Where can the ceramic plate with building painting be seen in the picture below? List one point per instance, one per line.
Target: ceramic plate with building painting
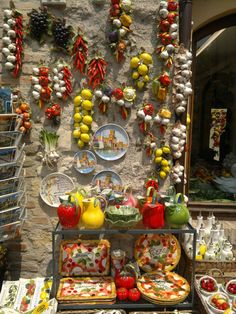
(157, 252)
(53, 186)
(108, 179)
(85, 161)
(110, 142)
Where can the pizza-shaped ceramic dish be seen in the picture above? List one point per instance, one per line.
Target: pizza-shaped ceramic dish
(87, 289)
(84, 258)
(160, 287)
(157, 252)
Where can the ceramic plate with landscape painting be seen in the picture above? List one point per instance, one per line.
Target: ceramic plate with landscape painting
(110, 142)
(108, 179)
(85, 161)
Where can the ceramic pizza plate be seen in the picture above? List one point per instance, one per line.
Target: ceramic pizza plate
(161, 287)
(108, 179)
(53, 186)
(110, 142)
(157, 252)
(85, 161)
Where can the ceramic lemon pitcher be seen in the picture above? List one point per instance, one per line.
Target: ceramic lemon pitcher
(93, 216)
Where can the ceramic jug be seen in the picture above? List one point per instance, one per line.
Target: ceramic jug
(210, 253)
(93, 216)
(226, 252)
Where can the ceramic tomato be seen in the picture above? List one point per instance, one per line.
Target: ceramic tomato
(122, 294)
(134, 295)
(125, 281)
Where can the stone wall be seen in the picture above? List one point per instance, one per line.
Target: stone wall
(32, 254)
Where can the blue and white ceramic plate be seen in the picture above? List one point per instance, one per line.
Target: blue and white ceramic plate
(85, 161)
(108, 179)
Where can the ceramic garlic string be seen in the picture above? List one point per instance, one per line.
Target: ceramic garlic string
(168, 30)
(62, 81)
(182, 87)
(120, 15)
(177, 140)
(41, 88)
(13, 40)
(103, 98)
(177, 172)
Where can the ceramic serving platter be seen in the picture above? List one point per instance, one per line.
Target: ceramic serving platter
(110, 142)
(157, 252)
(163, 287)
(85, 161)
(108, 179)
(53, 186)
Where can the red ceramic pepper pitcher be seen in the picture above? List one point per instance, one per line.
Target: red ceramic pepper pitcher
(153, 212)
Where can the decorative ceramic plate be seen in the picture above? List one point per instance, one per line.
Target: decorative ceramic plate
(108, 179)
(162, 287)
(110, 142)
(87, 289)
(157, 252)
(84, 257)
(85, 161)
(53, 186)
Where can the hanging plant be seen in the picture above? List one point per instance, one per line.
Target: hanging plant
(121, 20)
(141, 69)
(83, 116)
(168, 30)
(160, 86)
(96, 72)
(103, 97)
(62, 34)
(13, 39)
(41, 85)
(62, 80)
(53, 112)
(39, 23)
(79, 53)
(145, 114)
(124, 98)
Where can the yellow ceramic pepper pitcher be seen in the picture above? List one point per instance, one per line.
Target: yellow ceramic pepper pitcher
(93, 216)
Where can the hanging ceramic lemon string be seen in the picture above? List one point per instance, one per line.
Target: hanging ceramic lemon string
(103, 97)
(145, 114)
(140, 65)
(79, 52)
(96, 72)
(168, 31)
(162, 160)
(120, 15)
(124, 98)
(41, 85)
(62, 80)
(13, 39)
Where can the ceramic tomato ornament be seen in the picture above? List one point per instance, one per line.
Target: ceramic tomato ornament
(125, 281)
(122, 294)
(117, 93)
(165, 79)
(68, 213)
(164, 25)
(134, 295)
(172, 6)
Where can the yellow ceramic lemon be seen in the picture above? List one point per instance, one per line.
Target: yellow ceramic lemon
(164, 163)
(135, 75)
(146, 58)
(80, 144)
(134, 62)
(77, 117)
(76, 133)
(87, 120)
(158, 152)
(84, 128)
(158, 160)
(85, 137)
(162, 175)
(86, 94)
(87, 104)
(77, 101)
(143, 69)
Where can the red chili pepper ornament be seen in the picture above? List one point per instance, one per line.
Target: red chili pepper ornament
(96, 72)
(79, 53)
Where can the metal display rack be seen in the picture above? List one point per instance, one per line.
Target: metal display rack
(58, 234)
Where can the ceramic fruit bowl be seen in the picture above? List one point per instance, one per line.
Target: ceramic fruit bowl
(208, 285)
(230, 288)
(122, 216)
(218, 302)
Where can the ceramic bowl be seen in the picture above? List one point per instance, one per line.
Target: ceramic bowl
(217, 295)
(122, 216)
(203, 291)
(227, 286)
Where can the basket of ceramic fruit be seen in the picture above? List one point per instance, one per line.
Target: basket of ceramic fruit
(216, 292)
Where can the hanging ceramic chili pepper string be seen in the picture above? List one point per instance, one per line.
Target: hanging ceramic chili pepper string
(96, 72)
(80, 53)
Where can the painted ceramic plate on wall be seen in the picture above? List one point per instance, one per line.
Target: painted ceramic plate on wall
(53, 186)
(108, 179)
(157, 252)
(85, 161)
(110, 142)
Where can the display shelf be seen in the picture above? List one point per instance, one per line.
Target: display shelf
(59, 233)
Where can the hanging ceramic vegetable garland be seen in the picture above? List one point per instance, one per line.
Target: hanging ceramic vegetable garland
(62, 81)
(145, 114)
(168, 30)
(41, 85)
(62, 34)
(22, 108)
(182, 87)
(13, 40)
(124, 98)
(141, 68)
(160, 86)
(53, 112)
(121, 21)
(83, 119)
(177, 172)
(177, 140)
(38, 25)
(103, 97)
(79, 53)
(96, 72)
(161, 159)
